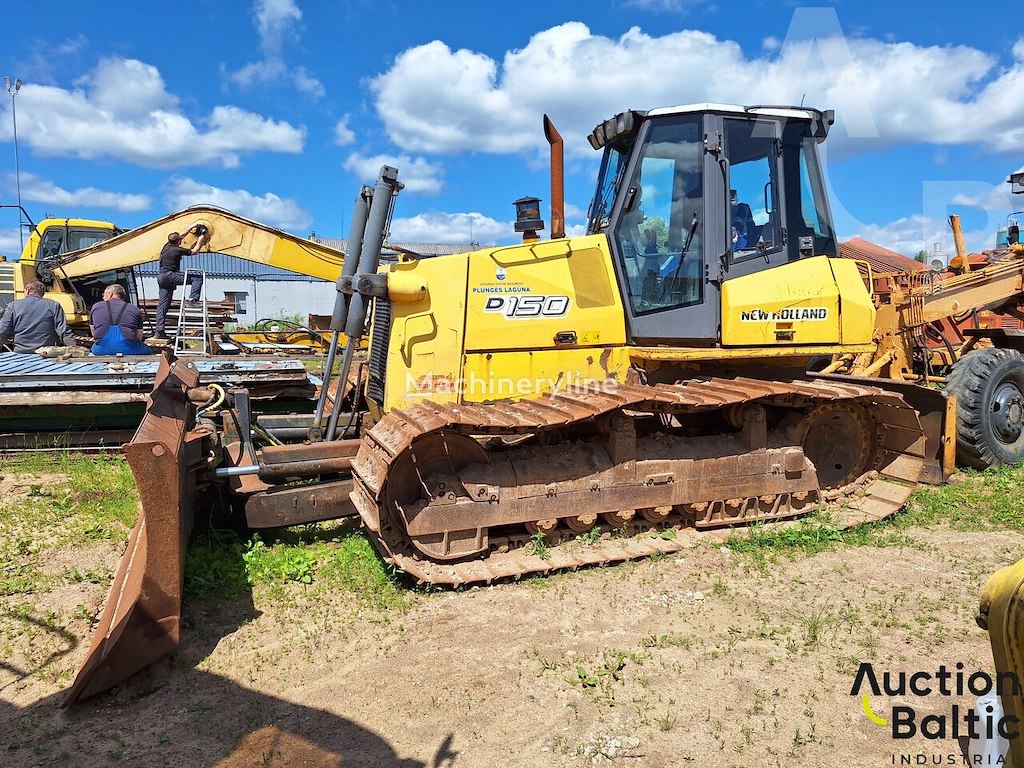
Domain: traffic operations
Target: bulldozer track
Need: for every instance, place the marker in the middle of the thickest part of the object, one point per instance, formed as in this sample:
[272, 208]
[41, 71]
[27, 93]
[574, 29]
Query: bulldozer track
[883, 482]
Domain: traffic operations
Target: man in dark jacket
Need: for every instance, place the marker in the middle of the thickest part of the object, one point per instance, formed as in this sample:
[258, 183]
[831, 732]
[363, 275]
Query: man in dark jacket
[35, 322]
[170, 275]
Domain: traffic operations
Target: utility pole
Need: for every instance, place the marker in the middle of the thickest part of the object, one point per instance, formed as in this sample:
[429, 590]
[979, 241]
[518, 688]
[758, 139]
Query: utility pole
[13, 88]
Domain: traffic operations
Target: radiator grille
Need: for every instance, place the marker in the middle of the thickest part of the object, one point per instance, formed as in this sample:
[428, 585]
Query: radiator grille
[379, 350]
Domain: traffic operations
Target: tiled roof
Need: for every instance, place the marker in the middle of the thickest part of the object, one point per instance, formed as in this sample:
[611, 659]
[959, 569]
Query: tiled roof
[881, 259]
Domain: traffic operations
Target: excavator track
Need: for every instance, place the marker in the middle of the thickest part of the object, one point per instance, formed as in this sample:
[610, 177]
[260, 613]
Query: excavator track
[456, 494]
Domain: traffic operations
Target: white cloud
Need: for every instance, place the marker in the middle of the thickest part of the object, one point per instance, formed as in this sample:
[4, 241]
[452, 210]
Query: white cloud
[474, 227]
[36, 190]
[574, 212]
[438, 227]
[343, 135]
[147, 129]
[439, 100]
[283, 213]
[277, 23]
[306, 83]
[258, 72]
[128, 88]
[664, 6]
[906, 235]
[910, 234]
[10, 244]
[988, 197]
[275, 20]
[417, 174]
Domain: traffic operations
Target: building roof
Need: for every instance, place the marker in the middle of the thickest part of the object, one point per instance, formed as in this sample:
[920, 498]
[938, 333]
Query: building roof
[881, 259]
[422, 249]
[222, 265]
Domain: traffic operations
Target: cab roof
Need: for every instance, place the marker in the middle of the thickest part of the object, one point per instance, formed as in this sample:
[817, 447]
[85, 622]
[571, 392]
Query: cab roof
[771, 110]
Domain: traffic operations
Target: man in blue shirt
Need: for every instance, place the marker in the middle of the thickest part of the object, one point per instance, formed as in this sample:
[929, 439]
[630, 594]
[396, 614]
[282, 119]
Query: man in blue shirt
[116, 325]
[35, 322]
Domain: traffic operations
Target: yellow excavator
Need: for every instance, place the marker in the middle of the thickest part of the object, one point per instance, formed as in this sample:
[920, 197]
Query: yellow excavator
[77, 258]
[597, 394]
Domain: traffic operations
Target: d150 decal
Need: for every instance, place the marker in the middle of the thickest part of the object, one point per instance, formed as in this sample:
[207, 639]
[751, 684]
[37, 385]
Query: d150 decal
[528, 307]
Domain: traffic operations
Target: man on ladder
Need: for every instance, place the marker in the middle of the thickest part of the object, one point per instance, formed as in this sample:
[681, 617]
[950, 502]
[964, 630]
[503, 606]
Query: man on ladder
[170, 275]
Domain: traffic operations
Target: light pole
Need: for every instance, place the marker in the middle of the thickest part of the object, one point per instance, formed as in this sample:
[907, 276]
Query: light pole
[13, 88]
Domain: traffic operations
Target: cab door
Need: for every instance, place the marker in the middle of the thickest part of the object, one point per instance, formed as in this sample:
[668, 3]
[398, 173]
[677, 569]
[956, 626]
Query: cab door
[757, 238]
[659, 235]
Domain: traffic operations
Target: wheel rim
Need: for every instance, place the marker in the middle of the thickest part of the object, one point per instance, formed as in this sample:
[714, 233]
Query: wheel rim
[1008, 413]
[581, 523]
[542, 526]
[655, 514]
[431, 466]
[618, 519]
[839, 440]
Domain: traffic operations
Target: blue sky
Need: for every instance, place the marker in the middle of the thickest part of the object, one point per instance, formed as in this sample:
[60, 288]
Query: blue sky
[279, 109]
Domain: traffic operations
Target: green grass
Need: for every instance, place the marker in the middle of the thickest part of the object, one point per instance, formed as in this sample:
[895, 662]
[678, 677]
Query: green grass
[328, 557]
[988, 500]
[976, 501]
[92, 498]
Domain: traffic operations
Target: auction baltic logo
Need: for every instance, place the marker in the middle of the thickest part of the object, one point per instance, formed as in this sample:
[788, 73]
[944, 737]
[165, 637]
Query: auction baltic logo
[952, 721]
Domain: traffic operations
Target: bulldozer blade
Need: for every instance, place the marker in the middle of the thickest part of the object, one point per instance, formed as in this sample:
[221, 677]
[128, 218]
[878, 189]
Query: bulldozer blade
[141, 620]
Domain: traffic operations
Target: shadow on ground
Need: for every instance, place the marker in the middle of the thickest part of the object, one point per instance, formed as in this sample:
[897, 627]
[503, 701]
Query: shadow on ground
[176, 714]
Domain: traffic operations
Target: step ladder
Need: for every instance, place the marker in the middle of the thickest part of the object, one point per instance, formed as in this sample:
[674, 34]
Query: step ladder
[186, 340]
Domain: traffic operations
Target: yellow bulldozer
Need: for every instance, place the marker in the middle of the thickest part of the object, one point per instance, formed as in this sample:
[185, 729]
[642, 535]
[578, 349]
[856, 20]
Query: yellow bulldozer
[647, 377]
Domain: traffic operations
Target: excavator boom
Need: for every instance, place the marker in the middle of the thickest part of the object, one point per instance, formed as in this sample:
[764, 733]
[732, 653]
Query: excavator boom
[226, 233]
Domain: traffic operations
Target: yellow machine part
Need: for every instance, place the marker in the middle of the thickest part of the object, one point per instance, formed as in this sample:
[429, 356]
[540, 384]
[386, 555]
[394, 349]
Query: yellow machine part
[227, 233]
[72, 304]
[31, 250]
[424, 358]
[528, 316]
[489, 376]
[813, 301]
[523, 296]
[1001, 612]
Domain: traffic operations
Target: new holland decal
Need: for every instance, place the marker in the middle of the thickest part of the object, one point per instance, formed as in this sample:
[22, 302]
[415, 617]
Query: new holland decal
[787, 314]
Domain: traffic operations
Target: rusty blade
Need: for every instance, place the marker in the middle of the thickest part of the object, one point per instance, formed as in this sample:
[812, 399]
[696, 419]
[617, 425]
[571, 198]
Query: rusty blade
[141, 620]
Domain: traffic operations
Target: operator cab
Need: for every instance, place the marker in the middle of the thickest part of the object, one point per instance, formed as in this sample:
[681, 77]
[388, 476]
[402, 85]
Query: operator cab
[693, 196]
[53, 239]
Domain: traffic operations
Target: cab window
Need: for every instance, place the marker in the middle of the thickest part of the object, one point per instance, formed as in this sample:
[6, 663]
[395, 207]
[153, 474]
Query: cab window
[754, 225]
[658, 233]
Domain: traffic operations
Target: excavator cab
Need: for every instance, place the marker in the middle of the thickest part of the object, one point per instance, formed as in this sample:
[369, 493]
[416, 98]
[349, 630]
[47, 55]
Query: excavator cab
[692, 197]
[50, 240]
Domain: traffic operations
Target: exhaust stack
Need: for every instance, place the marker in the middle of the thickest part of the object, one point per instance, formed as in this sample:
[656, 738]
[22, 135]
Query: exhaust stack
[557, 179]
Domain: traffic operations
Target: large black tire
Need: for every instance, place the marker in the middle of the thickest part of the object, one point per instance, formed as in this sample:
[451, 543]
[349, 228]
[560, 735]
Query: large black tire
[989, 389]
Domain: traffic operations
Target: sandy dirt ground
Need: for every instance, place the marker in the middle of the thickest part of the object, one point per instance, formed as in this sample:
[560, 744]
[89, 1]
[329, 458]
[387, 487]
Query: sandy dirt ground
[701, 658]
